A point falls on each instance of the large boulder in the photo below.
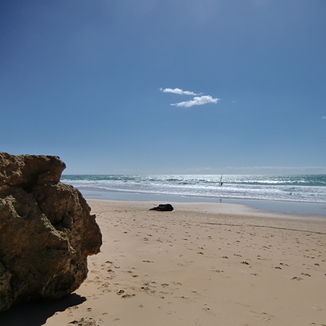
(46, 231)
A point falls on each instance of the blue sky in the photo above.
(150, 86)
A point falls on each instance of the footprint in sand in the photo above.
(264, 316)
(84, 322)
(120, 292)
(125, 296)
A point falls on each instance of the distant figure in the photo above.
(221, 183)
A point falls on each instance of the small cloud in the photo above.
(197, 100)
(177, 91)
(324, 117)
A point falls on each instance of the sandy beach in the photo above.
(201, 264)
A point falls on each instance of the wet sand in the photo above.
(201, 264)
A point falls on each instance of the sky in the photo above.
(173, 86)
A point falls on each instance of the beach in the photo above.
(201, 264)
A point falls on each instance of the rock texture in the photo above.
(46, 230)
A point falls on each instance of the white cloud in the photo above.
(197, 100)
(324, 117)
(177, 91)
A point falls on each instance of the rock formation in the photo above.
(46, 230)
(163, 208)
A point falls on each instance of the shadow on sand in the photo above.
(37, 312)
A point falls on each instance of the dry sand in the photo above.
(202, 264)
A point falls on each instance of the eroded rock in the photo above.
(46, 230)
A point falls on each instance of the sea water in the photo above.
(249, 189)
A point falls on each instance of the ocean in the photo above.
(271, 192)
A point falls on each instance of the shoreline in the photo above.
(201, 264)
(284, 207)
